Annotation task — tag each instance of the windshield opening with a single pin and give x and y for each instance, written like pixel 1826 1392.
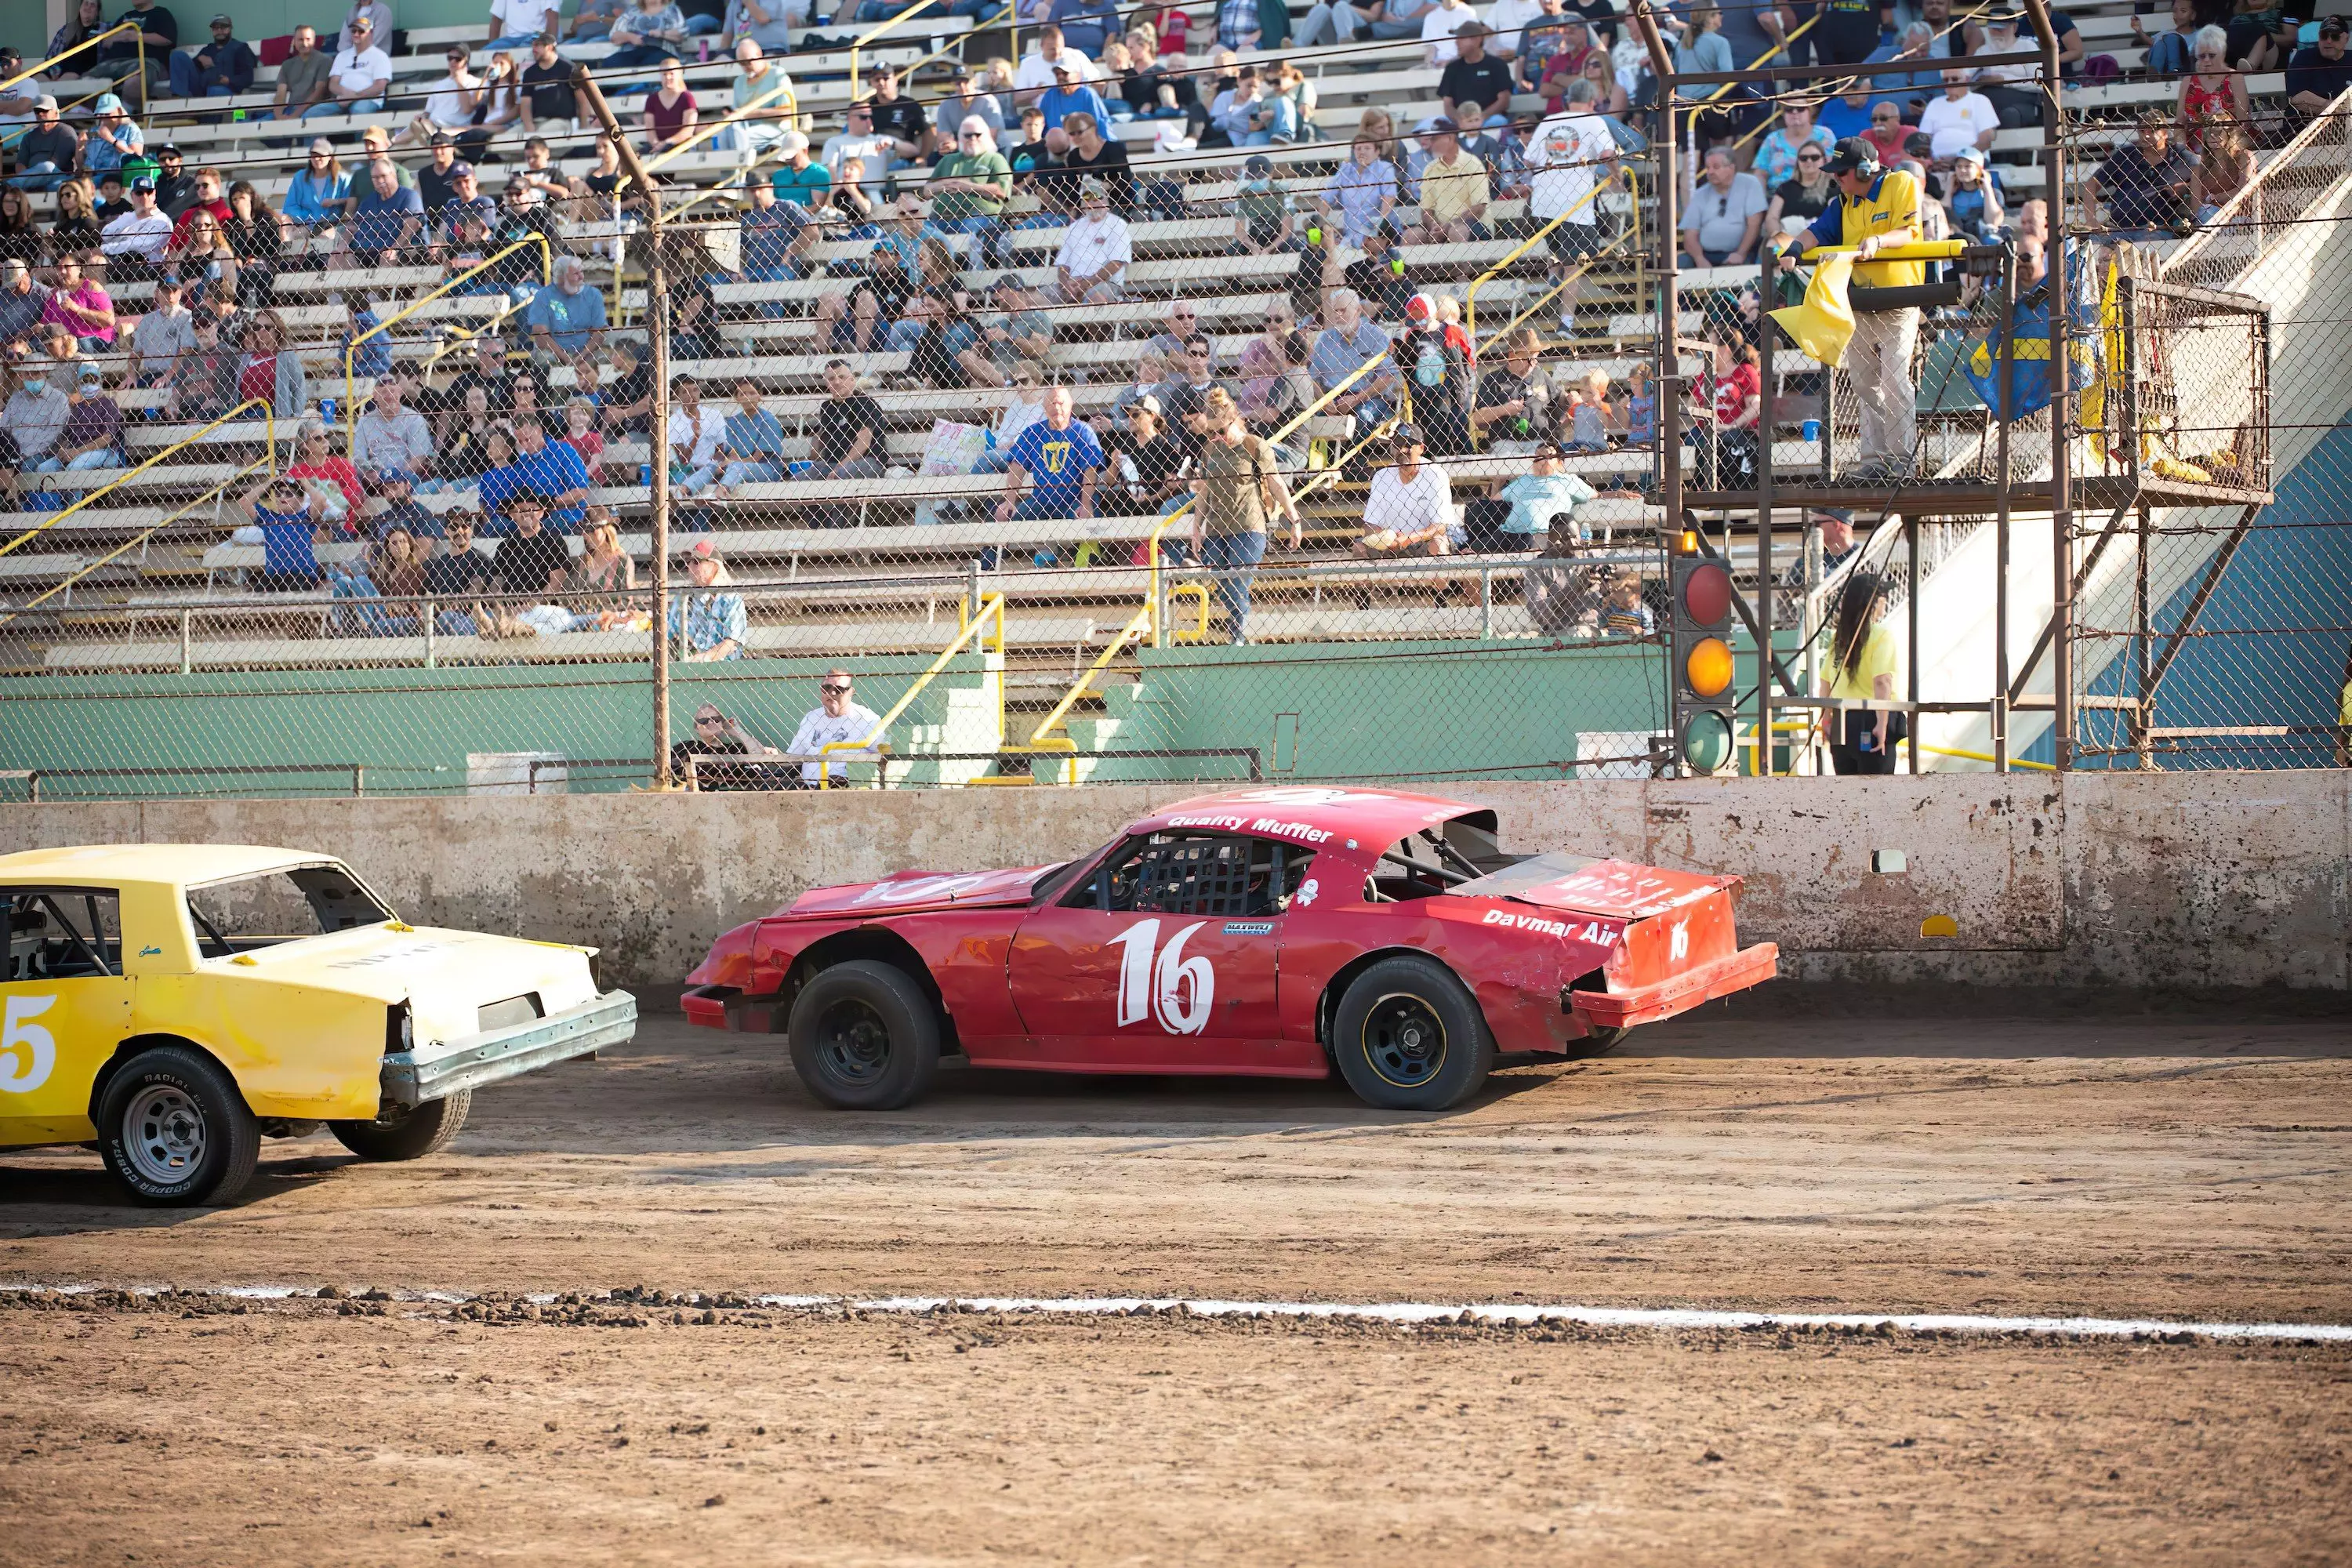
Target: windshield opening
pixel 273 907
pixel 1438 859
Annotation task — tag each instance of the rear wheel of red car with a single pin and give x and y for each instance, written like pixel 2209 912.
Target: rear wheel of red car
pixel 173 1129
pixel 865 1037
pixel 406 1131
pixel 1409 1037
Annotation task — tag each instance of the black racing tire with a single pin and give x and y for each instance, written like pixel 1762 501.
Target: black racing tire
pixel 1408 1035
pixel 175 1131
pixel 865 1036
pixel 406 1133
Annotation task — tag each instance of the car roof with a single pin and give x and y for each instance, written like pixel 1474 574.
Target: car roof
pixel 177 864
pixel 1369 815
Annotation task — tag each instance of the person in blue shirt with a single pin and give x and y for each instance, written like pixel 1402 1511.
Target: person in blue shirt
pixel 374 357
pixel 1069 95
pixel 322 193
pixel 222 68
pixel 1057 455
pixel 553 472
pixel 1084 23
pixel 290 531
pixel 567 322
pixel 386 217
pixel 753 449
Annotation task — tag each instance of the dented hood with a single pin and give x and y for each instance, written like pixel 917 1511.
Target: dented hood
pixel 1618 890
pixel 920 890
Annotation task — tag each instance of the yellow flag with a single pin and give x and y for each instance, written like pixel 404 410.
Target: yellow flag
pixel 1823 324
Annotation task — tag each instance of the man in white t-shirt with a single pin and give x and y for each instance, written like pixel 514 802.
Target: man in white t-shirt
pixel 1094 251
pixel 1437 30
pixel 1036 72
pixel 1569 156
pixel 141 233
pixel 1503 19
pixel 515 23
pixel 835 718
pixel 1409 509
pixel 1963 117
pixel 358 78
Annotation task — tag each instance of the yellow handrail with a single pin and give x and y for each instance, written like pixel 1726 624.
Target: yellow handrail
pixel 351 379
pixel 269 434
pixel 857 44
pixel 1470 296
pixel 1294 423
pixel 268 459
pixel 1141 623
pixel 1984 757
pixel 992 607
pixel 126 25
pixel 1583 266
pixel 704 131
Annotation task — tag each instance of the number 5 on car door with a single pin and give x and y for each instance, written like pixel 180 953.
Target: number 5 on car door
pixel 64 1002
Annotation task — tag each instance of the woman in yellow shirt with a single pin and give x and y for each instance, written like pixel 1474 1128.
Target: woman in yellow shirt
pixel 1862 659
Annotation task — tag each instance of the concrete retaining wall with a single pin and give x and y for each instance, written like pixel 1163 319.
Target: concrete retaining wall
pixel 2163 881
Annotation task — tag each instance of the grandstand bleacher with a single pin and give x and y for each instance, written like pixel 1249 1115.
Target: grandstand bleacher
pixel 80 600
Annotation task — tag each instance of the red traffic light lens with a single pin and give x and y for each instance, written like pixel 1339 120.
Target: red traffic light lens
pixel 1706 593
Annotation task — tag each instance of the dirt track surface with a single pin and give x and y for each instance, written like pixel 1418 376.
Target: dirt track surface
pixel 2115 1167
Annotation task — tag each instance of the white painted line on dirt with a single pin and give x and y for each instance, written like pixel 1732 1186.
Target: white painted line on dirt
pixel 1409 1313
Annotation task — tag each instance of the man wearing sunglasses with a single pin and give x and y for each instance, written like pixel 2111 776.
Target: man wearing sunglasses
pixel 837 717
pixel 718 735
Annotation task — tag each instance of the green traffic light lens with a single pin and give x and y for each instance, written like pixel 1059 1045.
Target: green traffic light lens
pixel 1707 741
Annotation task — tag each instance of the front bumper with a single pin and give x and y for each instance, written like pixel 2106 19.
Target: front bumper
pixel 438 1071
pixel 1677 994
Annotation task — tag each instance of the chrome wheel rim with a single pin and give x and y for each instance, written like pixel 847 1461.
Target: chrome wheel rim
pixel 164 1135
pixel 1404 1042
pixel 853 1042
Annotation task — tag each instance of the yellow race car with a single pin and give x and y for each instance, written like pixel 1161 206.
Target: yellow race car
pixel 171 1005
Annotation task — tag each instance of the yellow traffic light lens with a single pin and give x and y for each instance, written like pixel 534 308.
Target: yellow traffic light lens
pixel 1707 669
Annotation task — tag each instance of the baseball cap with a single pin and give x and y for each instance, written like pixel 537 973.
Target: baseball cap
pixel 143 183
pixel 223 19
pixel 1836 513
pixel 90 372
pixel 168 280
pixel 1405 435
pixel 443 139
pixel 1965 155
pixel 1149 402
pixel 2333 28
pixel 1010 280
pixel 1919 144
pixel 703 549
pixel 461 170
pixel 1853 155
pixel 390 476
pixel 45 104
pixel 531 498
pixel 1418 309
pixel 1436 124
pixel 1259 163
pixel 320 144
pixel 108 103
pixel 1065 66
pixel 167 151
pixel 1090 188
pixel 958 72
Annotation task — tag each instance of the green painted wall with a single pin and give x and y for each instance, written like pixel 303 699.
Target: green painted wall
pixel 1362 710
pixel 414 728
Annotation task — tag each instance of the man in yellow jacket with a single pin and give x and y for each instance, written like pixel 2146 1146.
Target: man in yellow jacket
pixel 1877 209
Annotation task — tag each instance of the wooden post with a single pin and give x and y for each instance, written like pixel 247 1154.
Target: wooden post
pixel 658 316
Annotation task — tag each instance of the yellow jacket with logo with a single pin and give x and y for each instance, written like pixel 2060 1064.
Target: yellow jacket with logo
pixel 1892 204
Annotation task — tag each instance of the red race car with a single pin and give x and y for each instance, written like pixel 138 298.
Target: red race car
pixel 1283 931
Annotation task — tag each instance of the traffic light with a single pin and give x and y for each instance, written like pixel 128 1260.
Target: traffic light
pixel 1699 643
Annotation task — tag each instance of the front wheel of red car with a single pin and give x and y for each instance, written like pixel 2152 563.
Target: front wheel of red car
pixel 1408 1035
pixel 865 1037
